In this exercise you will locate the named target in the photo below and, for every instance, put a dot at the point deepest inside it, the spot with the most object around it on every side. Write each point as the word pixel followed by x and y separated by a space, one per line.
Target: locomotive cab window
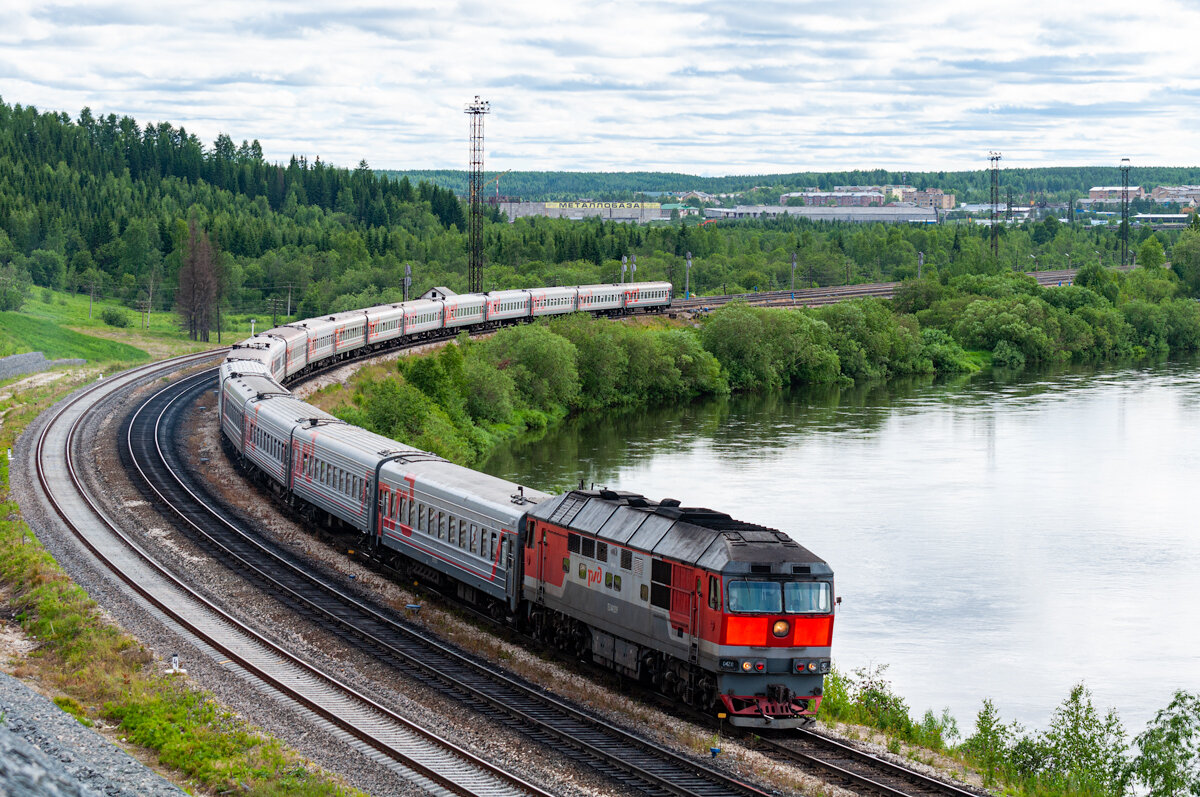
pixel 755 596
pixel 807 597
pixel 714 593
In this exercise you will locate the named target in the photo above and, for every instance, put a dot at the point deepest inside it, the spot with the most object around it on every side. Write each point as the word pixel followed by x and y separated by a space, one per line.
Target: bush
pixel 114 317
pixel 14 287
pixel 761 348
pixel 1007 355
pixel 873 342
pixel 1086 751
pixel 541 364
pixel 1168 757
pixel 1027 324
pixel 944 352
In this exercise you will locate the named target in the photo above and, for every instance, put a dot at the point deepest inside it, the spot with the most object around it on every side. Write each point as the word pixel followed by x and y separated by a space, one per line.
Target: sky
pixel 710 87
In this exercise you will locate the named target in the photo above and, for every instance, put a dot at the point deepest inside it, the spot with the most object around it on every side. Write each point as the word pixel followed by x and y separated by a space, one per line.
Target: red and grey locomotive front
pixel 725 615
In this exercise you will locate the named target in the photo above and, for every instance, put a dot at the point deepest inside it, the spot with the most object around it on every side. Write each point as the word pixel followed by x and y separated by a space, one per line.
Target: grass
pixel 22 333
pixel 100 672
pixel 67 312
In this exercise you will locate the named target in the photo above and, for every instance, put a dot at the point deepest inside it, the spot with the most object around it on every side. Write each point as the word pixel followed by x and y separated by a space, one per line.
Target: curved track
pixel 854 769
pixel 815 297
pixel 427 761
pixel 635 762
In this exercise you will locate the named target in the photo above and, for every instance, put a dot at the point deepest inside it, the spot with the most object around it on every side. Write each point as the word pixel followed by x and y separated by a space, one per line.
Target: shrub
pixel 114 317
pixel 541 364
pixel 1183 324
pixel 1007 355
pixel 873 342
pixel 14 287
pixel 944 352
pixel 1100 280
pixel 1086 751
pixel 1168 751
pixel 1149 323
pixel 987 747
pixel 1027 324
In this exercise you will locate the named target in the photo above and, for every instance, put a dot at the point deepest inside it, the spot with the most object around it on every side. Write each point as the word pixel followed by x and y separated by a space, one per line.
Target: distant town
pixel 1163 207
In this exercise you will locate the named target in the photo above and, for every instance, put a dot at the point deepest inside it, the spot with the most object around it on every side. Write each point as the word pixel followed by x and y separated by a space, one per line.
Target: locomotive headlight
pixel 812 666
pixel 781 628
pixel 746 666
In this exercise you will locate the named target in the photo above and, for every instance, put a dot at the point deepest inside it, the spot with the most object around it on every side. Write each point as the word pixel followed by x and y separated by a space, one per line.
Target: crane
pixel 496 180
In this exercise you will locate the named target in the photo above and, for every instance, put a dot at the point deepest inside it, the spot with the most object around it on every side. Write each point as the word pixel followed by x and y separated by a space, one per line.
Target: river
pixel 992 536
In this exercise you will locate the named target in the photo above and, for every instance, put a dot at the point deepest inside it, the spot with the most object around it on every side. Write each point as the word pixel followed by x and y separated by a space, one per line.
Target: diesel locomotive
pixel 724 615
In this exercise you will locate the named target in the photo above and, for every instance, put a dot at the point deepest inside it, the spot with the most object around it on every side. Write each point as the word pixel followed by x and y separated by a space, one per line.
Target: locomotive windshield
pixel 773 597
pixel 806 597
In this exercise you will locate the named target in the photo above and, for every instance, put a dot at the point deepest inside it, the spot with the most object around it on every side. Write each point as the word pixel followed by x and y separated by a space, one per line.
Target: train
pixel 726 616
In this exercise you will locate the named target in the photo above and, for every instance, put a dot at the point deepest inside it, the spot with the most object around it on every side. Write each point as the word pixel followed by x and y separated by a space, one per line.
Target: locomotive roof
pixel 696 535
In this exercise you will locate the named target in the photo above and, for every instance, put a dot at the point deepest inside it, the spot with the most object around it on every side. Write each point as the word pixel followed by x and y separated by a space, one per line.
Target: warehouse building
pixel 897 214
pixel 636 212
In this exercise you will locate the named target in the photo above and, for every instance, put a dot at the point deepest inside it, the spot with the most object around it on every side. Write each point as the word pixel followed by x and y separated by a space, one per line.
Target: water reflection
pixel 1000 536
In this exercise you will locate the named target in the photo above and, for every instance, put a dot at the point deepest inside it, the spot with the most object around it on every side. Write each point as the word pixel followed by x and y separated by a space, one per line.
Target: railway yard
pixel 129 488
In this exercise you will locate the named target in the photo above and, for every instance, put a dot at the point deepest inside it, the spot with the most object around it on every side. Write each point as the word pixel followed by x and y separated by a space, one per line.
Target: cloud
pixel 684 85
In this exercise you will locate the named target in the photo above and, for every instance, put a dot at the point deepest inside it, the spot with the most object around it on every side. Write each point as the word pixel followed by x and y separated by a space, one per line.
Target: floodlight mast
pixel 476 110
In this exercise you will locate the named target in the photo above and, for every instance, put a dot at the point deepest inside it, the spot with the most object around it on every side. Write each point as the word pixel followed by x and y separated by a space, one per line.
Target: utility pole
pixel 687 280
pixel 476 110
pixel 1124 211
pixel 920 263
pixel 793 275
pixel 994 157
pixel 274 302
pixel 633 271
pixel 624 266
pixel 407 279
pixel 289 306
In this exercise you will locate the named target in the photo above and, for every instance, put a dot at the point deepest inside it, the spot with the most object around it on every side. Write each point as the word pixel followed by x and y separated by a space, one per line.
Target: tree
pixel 198 286
pixel 1185 261
pixel 1085 748
pixel 1168 759
pixel 988 745
pixel 1150 254
pixel 14 286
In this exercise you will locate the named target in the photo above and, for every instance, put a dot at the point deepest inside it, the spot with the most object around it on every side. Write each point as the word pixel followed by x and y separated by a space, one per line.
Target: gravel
pixel 46 751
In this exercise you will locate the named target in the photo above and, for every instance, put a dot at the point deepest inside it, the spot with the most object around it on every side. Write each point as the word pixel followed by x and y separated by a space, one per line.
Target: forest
pixel 108 206
pixel 1058 184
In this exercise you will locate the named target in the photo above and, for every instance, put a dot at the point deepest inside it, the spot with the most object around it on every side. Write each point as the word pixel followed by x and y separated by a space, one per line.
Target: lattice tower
pixel 476 110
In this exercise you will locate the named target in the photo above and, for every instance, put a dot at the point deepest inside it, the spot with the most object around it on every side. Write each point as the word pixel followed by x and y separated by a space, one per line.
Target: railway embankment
pixel 102 677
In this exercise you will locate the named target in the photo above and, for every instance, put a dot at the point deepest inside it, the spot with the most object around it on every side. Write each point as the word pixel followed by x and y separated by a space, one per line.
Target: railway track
pixel 635 762
pixel 816 297
pixel 859 771
pixel 424 759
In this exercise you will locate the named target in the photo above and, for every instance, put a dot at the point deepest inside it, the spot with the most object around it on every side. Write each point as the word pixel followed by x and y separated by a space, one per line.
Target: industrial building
pixel 1112 193
pixel 636 212
pixel 897 214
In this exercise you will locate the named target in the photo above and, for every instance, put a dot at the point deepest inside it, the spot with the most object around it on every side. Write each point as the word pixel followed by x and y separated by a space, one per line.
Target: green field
pixel 20 332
